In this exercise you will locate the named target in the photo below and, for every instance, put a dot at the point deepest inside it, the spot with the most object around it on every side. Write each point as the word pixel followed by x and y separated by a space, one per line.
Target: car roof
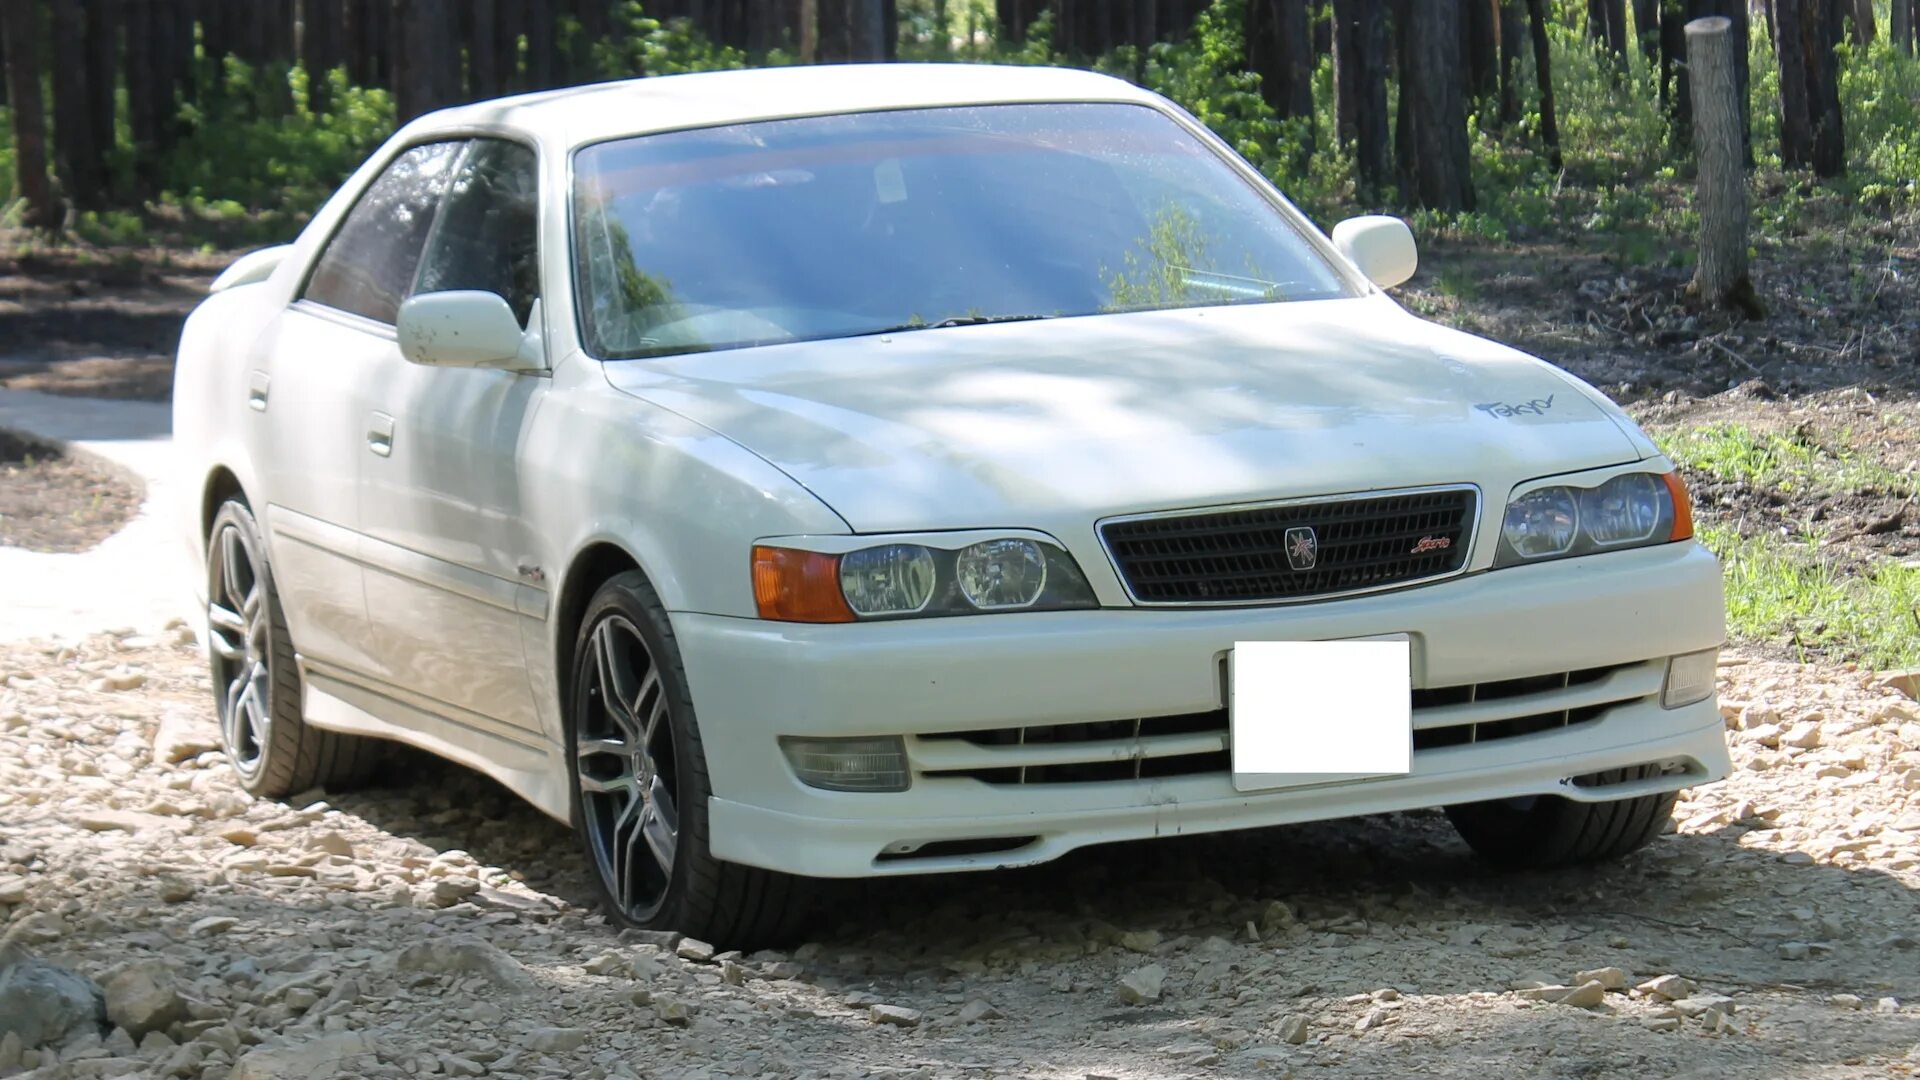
pixel 585 114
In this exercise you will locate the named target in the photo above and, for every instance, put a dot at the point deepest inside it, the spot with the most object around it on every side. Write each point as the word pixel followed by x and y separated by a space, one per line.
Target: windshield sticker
pixel 1505 410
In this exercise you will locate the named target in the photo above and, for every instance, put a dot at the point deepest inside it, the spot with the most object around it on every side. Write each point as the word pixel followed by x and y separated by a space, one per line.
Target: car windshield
pixel 836 226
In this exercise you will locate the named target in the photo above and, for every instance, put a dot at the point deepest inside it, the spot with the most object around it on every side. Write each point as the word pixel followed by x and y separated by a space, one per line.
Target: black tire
pixel 273 750
pixel 1549 831
pixel 727 904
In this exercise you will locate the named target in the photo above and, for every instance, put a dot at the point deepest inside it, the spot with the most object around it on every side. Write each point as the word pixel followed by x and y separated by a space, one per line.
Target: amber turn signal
pixel 1682 507
pixel 798 586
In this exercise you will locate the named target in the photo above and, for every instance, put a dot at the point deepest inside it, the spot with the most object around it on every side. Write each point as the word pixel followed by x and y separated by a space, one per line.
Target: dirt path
pixel 430 926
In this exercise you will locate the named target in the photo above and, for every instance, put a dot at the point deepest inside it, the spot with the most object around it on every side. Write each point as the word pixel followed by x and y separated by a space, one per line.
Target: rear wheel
pixel 256 681
pixel 641 774
pixel 1548 831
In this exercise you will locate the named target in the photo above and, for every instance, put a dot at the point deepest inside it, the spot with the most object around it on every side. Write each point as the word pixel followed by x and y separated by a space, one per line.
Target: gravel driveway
pixel 435 926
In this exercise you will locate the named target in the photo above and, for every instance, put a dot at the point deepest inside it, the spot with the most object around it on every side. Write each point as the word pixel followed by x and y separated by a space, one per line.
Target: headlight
pixel 905 580
pixel 1629 510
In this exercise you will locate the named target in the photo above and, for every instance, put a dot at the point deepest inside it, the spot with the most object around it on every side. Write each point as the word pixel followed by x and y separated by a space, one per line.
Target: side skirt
pixel 520 760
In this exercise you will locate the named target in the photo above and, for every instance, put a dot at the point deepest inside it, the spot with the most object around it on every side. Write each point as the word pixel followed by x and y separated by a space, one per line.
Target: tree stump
pixel 1720 278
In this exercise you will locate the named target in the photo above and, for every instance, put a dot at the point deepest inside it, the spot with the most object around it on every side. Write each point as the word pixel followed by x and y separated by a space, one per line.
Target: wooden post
pixel 1720 278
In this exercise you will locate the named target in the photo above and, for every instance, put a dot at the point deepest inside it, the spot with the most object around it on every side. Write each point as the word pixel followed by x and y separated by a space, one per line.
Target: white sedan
pixel 833 472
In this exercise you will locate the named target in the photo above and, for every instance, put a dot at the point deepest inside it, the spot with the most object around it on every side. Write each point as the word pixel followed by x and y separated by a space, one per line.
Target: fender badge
pixel 1431 543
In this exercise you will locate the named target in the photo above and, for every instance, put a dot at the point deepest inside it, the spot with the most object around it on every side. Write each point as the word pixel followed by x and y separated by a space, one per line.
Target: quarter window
pixel 485 237
pixel 369 264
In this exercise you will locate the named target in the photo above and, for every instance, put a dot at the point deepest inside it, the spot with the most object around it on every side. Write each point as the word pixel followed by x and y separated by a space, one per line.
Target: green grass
pixel 1788 593
pixel 1783 462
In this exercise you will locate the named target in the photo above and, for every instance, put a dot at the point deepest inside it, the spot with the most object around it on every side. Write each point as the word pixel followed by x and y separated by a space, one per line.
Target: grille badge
pixel 1303 547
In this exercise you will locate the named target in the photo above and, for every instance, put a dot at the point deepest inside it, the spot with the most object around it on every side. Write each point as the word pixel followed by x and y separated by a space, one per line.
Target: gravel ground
pixel 434 926
pixel 53 501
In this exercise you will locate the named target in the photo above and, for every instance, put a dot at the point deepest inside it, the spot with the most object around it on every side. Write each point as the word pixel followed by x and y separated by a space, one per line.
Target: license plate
pixel 1313 712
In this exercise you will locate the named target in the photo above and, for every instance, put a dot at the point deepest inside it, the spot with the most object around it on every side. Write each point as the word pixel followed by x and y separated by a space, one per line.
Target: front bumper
pixel 753 681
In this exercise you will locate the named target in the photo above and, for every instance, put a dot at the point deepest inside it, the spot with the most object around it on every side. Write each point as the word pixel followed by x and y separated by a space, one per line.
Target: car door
pixel 449 555
pixel 307 389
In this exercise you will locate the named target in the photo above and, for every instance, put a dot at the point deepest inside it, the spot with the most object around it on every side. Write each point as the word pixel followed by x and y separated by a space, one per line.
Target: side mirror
pixel 1380 247
pixel 465 328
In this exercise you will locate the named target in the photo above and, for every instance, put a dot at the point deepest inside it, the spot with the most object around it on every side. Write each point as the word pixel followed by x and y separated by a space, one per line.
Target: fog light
pixel 1690 678
pixel 862 764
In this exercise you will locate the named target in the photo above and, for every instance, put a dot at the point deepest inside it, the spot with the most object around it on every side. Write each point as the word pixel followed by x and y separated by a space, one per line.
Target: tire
pixel 628 805
pixel 256 680
pixel 1548 831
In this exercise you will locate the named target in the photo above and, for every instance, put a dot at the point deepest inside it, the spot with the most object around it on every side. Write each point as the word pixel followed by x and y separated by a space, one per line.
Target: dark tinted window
pixel 830 226
pixel 485 237
pixel 369 264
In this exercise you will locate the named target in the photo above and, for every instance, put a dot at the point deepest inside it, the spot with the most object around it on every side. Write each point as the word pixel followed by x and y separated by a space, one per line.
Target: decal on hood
pixel 1505 410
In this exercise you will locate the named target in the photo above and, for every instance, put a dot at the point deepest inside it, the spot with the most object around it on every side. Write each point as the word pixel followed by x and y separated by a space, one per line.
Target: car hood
pixel 1055 423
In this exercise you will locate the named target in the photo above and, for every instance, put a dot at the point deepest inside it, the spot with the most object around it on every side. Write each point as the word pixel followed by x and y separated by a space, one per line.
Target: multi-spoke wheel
pixel 624 751
pixel 256 683
pixel 641 778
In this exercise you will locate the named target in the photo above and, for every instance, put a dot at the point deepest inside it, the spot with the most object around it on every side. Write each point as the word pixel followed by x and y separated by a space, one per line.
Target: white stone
pixel 1142 986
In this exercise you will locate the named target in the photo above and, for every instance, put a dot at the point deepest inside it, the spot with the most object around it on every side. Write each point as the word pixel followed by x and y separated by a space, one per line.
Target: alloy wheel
pixel 242 669
pixel 625 760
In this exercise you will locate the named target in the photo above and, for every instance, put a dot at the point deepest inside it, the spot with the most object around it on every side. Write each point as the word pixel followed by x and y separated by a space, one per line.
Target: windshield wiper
pixel 957 320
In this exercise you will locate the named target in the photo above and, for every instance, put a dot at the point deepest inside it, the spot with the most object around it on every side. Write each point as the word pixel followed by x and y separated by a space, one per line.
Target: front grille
pixel 1241 556
pixel 1196 744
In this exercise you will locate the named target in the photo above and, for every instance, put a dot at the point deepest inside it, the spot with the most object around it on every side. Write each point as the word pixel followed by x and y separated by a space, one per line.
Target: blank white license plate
pixel 1311 712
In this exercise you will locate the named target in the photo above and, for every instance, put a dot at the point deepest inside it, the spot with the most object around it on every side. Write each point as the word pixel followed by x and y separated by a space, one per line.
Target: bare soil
pixel 98 324
pixel 50 501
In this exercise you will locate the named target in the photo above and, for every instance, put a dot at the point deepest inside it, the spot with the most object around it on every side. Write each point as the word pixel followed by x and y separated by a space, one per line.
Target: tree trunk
pixel 543 52
pixel 1361 60
pixel 102 83
pixel 1280 50
pixel 1646 28
pixel 76 157
pixel 1900 26
pixel 1818 29
pixel 1513 42
pixel 1796 118
pixel 1863 28
pixel 1543 72
pixel 1720 277
pixel 321 23
pixel 1442 175
pixel 809 31
pixel 1673 65
pixel 426 77
pixel 22 44
pixel 1482 27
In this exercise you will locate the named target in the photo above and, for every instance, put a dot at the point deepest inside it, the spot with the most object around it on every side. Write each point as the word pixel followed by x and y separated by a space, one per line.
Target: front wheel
pixel 641 777
pixel 256 680
pixel 1545 831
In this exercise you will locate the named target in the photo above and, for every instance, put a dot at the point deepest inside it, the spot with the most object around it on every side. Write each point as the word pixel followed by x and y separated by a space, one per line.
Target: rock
pixel 1667 988
pixel 1805 735
pixel 1585 996
pixel 1905 682
pixel 344 1052
pixel 1661 1023
pixel 175 890
pixel 977 1010
pixel 1795 950
pixel 1887 1006
pixel 211 925
pixel 1140 941
pixel 42 1003
pixel 1611 978
pixel 143 998
pixel 180 736
pixel 694 949
pixel 611 964
pixel 1549 994
pixel 1276 917
pixel 1142 986
pixel 13 889
pixel 1846 1001
pixel 673 1011
pixel 555 1040
pixel 1691 1007
pixel 449 891
pixel 334 844
pixel 466 955
pixel 733 973
pixel 1375 1017
pixel 1294 1029
pixel 895 1015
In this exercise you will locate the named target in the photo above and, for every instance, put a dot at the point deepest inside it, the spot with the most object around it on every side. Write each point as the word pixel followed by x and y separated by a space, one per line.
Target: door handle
pixel 257 385
pixel 380 434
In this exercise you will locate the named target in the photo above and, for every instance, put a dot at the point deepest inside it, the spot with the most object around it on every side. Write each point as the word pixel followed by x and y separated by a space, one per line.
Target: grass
pixel 1786 592
pixel 1781 461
